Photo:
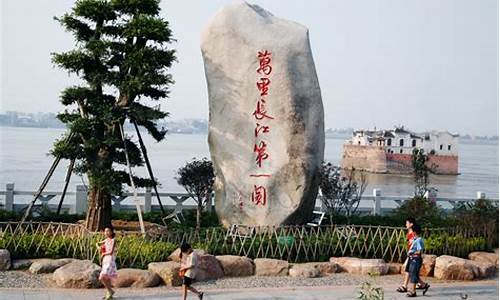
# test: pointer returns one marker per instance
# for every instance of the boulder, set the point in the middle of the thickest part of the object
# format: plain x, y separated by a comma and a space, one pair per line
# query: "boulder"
174, 256
428, 264
167, 271
303, 271
236, 266
21, 264
313, 269
4, 259
266, 123
270, 267
209, 268
394, 268
45, 265
136, 278
485, 257
455, 268
486, 269
78, 274
355, 265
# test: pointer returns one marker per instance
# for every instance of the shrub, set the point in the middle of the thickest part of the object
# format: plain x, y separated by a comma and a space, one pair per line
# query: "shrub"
478, 212
153, 217
377, 220
368, 291
44, 216
133, 251
208, 220
425, 211
341, 193
6, 216
443, 243
37, 245
137, 252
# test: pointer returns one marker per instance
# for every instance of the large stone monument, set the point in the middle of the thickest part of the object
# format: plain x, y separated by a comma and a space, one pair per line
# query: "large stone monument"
266, 131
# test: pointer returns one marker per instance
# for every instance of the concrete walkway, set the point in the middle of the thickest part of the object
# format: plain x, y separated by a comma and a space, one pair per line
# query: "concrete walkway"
480, 290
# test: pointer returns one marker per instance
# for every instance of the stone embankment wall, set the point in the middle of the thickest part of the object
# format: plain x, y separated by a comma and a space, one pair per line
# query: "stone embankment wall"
375, 159
446, 164
398, 163
440, 164
364, 158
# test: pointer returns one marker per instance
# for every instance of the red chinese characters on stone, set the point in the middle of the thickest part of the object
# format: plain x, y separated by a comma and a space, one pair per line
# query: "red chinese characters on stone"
264, 62
263, 86
261, 153
260, 111
260, 129
259, 195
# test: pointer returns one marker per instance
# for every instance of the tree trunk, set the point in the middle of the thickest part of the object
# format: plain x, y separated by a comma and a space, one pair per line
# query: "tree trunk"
198, 216
99, 209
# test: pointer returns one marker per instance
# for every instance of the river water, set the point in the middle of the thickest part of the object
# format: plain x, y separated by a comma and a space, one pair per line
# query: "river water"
24, 160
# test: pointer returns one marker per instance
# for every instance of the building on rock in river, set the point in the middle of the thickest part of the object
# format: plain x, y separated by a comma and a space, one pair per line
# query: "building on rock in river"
390, 151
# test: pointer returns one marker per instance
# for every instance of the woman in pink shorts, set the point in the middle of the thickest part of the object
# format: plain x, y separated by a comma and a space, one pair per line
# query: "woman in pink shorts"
108, 263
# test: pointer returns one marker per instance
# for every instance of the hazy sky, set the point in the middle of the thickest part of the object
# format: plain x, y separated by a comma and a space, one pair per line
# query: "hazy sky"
427, 64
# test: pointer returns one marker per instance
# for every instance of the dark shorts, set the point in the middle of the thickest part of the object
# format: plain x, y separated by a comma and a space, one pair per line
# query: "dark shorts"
414, 265
187, 281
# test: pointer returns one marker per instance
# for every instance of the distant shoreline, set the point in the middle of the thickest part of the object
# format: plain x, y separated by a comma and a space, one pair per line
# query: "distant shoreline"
477, 141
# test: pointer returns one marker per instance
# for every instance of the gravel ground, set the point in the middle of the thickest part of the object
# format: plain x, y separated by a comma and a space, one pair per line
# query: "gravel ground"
342, 279
23, 279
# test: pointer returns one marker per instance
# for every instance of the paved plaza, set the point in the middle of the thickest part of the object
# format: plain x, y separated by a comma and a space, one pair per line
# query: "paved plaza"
480, 290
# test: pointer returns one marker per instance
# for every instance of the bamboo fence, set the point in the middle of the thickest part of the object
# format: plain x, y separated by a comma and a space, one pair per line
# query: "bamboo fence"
291, 243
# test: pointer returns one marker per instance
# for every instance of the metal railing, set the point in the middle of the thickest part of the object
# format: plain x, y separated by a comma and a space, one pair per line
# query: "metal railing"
374, 204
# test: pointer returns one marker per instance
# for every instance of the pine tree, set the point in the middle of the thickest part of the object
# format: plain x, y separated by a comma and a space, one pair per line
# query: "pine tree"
122, 57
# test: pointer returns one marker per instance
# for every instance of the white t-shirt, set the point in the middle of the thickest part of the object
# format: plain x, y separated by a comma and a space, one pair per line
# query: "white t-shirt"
191, 261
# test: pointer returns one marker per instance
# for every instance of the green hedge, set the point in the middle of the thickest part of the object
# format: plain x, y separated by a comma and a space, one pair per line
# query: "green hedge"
133, 251
137, 252
209, 219
441, 244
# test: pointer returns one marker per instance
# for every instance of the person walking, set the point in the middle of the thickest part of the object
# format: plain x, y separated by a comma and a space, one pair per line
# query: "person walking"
410, 234
108, 251
409, 222
189, 265
415, 263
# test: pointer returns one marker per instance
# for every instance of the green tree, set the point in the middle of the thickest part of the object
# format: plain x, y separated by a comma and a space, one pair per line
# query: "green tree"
421, 171
341, 190
197, 177
476, 213
122, 57
424, 210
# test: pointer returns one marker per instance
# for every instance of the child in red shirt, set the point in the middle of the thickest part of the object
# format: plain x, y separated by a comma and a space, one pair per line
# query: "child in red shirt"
410, 235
